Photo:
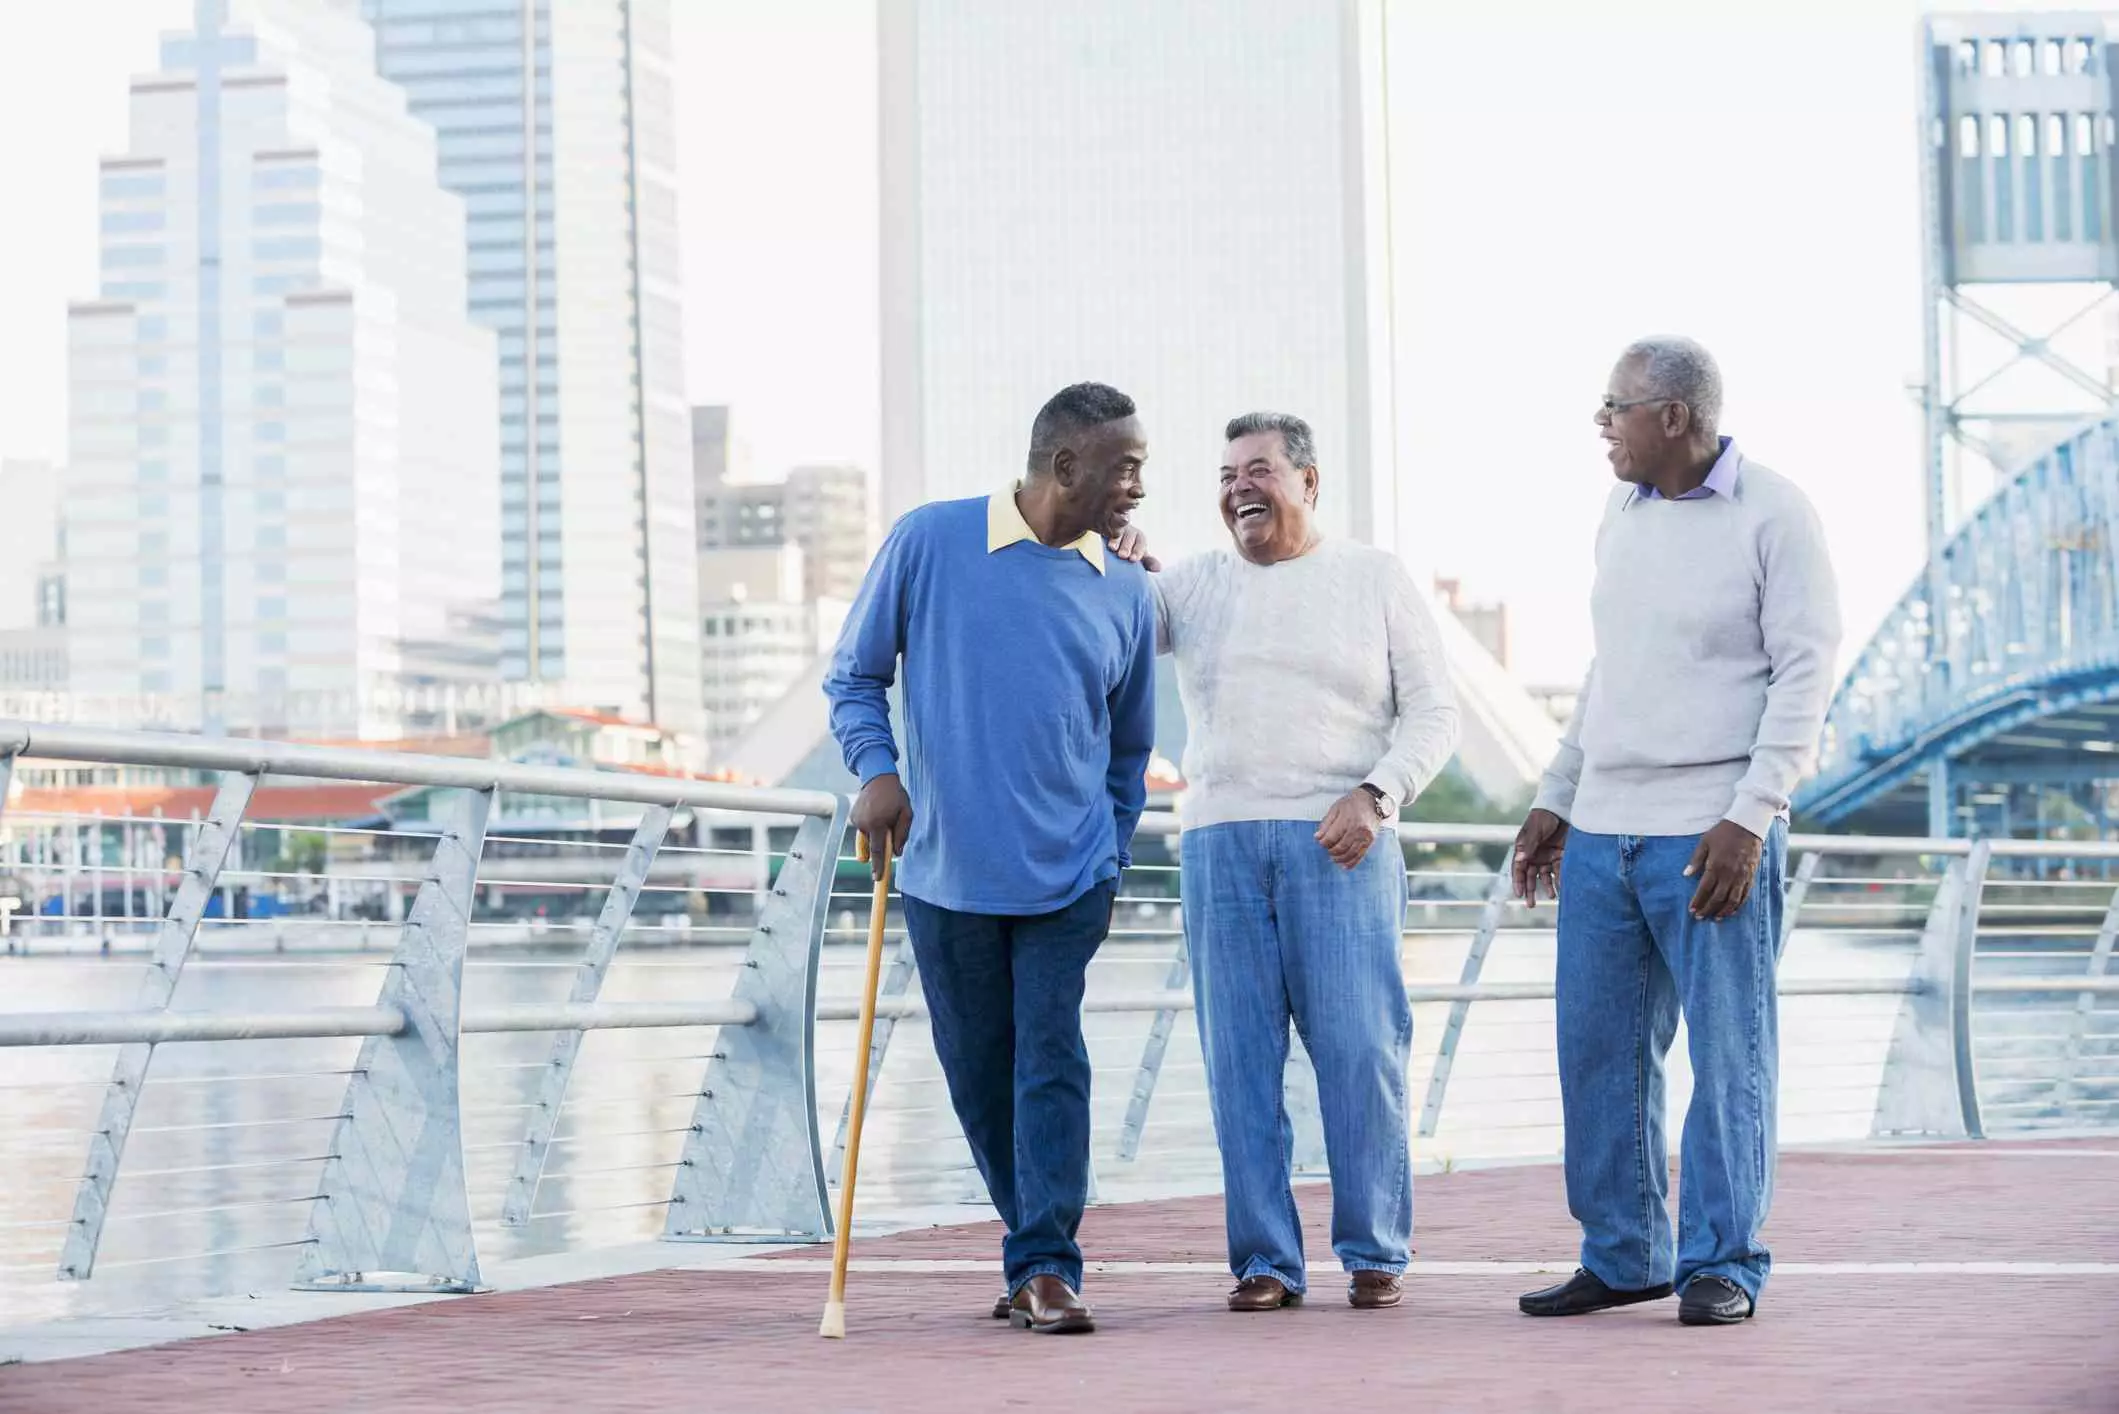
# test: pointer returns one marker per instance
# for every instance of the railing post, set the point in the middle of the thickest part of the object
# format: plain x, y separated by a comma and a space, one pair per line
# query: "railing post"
896, 978
2086, 1003
753, 1164
588, 985
1961, 987
1927, 1071
1151, 1056
392, 1213
1460, 1010
210, 846
1798, 889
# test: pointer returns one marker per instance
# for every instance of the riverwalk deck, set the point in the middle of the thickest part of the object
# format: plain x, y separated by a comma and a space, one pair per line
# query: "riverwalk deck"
1941, 1277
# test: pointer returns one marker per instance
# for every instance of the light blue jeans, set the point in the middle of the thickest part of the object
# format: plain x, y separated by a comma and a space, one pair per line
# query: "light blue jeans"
1278, 932
1631, 957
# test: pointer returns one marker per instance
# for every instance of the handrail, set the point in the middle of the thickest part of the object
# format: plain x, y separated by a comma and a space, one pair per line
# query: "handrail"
132, 748
119, 1028
752, 1164
1163, 824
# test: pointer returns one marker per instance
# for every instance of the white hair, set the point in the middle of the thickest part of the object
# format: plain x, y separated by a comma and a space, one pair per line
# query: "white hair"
1682, 371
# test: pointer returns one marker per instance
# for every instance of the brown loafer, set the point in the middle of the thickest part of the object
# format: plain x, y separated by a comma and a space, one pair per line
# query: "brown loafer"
1049, 1306
1372, 1291
1262, 1294
1001, 1304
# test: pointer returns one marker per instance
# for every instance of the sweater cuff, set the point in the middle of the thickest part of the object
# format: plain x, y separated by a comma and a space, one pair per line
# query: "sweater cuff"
1555, 797
1755, 815
876, 761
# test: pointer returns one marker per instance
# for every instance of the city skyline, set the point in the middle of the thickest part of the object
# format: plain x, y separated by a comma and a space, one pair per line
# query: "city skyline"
1523, 267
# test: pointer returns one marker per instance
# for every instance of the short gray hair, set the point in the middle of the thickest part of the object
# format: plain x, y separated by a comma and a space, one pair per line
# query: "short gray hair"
1681, 370
1296, 439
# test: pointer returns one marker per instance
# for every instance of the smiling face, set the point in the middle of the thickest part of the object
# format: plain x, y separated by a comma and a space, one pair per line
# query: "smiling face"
1265, 499
1100, 471
1642, 433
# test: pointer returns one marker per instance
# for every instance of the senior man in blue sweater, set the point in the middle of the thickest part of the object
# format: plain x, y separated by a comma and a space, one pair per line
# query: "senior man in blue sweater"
1028, 654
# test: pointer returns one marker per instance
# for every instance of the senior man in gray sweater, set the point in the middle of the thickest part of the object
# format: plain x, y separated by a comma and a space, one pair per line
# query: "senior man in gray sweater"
1661, 828
1317, 704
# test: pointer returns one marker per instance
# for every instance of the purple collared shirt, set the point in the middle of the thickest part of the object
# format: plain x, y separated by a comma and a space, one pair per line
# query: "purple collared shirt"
1721, 478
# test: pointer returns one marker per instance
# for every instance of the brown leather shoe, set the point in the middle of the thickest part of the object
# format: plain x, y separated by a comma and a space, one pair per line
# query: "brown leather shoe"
1001, 1304
1049, 1306
1372, 1290
1262, 1294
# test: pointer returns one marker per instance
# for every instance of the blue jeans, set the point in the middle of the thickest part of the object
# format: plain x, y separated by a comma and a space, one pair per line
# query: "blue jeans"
1004, 998
1631, 956
1277, 931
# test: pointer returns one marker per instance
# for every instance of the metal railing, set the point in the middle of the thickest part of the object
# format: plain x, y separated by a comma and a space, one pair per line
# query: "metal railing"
1969, 989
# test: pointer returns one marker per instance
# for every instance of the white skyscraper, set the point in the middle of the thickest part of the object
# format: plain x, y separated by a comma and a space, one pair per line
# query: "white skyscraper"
1189, 199
1185, 199
282, 500
556, 125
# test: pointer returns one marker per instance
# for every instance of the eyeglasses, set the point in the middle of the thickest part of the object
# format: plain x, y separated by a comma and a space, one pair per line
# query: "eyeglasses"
1612, 407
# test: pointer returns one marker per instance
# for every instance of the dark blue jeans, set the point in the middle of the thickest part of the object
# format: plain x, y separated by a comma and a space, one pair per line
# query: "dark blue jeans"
1631, 957
1004, 996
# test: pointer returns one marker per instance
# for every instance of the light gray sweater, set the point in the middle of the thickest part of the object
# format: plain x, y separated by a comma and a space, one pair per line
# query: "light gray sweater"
1717, 629
1302, 680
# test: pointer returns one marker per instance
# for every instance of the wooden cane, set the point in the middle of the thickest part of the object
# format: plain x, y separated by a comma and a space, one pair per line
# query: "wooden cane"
834, 1324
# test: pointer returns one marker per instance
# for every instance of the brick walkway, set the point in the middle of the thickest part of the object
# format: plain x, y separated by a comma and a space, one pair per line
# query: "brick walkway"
1835, 1332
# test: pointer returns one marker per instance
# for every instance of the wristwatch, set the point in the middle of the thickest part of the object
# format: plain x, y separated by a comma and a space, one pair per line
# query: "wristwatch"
1386, 808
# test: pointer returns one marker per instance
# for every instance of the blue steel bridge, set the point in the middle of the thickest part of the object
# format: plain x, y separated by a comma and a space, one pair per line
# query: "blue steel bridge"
2011, 693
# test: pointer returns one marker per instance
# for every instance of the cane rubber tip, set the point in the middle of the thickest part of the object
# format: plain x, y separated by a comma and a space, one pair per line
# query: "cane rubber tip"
834, 1326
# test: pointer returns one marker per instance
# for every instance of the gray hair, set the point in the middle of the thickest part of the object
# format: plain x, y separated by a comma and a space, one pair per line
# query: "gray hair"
1296, 439
1681, 370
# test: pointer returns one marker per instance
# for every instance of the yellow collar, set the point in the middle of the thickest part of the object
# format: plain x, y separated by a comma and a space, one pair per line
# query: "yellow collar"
1005, 526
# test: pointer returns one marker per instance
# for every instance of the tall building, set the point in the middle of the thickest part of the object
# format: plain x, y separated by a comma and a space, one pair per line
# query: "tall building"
718, 454
1184, 199
824, 509
281, 506
1486, 622
32, 585
556, 126
760, 634
30, 492
827, 513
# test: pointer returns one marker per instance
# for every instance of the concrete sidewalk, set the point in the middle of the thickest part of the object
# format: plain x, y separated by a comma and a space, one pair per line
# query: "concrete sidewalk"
1933, 1278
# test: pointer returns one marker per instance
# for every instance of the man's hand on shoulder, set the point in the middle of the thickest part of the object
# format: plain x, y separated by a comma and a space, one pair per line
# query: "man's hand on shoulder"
882, 814
1132, 544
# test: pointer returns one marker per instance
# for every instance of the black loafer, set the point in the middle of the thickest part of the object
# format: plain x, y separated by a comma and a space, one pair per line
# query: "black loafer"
1581, 1294
1714, 1301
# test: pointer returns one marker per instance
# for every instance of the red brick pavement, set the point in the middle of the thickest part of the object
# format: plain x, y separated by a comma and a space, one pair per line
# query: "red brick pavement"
745, 1339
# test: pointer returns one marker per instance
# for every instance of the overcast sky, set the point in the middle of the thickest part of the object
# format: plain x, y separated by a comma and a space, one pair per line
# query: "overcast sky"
1741, 170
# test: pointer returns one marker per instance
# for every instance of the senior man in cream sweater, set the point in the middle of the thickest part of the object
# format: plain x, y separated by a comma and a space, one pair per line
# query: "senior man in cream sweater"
1317, 705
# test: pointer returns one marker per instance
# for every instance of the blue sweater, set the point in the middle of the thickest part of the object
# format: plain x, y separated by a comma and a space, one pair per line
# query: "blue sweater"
1029, 709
